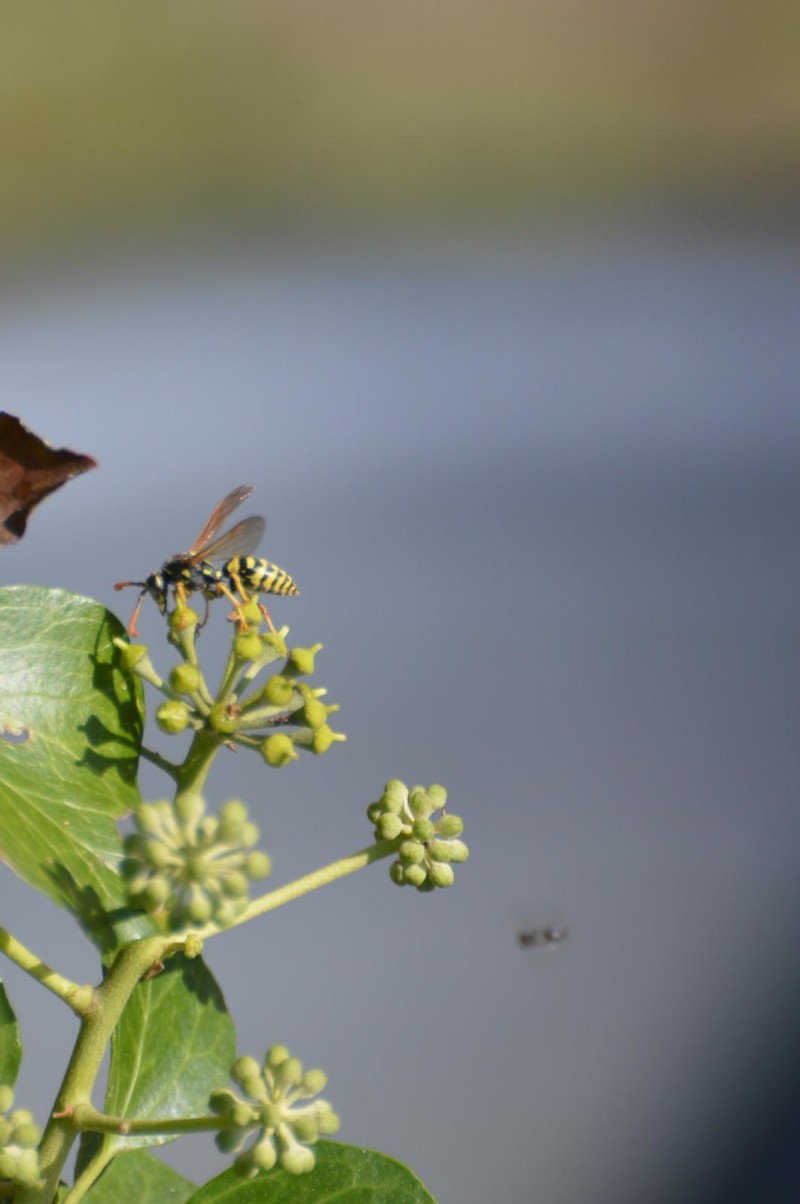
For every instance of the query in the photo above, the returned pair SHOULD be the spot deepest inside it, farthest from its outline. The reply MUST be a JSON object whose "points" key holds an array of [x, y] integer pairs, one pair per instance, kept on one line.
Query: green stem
{"points": [[90, 1173], [169, 767], [77, 997], [193, 772], [303, 886], [268, 657], [88, 1119], [95, 1033], [232, 670]]}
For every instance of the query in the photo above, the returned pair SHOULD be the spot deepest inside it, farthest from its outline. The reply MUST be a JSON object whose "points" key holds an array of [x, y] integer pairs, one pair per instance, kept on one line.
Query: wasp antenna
{"points": [[125, 584], [132, 625]]}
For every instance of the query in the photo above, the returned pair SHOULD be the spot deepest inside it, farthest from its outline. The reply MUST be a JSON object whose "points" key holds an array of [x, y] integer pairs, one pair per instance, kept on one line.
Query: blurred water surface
{"points": [[542, 502]]}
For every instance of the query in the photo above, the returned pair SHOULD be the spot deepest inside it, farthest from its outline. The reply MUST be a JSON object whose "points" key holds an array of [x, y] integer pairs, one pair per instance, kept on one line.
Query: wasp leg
{"points": [[266, 615], [238, 605]]}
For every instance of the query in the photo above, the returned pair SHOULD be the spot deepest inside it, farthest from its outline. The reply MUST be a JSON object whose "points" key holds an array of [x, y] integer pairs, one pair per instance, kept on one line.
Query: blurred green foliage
{"points": [[117, 116]]}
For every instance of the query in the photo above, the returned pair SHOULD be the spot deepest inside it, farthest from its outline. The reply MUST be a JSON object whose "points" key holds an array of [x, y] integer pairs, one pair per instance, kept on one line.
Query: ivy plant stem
{"points": [[304, 885], [77, 997], [88, 1119], [95, 1033], [193, 772]]}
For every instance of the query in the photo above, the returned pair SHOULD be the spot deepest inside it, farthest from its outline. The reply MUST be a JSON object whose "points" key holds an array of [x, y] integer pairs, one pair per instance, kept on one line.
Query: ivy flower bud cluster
{"points": [[195, 866], [242, 713], [427, 846], [280, 1111], [19, 1137]]}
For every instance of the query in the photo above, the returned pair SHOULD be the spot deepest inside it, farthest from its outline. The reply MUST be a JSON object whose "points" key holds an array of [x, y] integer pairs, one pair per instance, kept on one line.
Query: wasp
{"points": [[195, 572]]}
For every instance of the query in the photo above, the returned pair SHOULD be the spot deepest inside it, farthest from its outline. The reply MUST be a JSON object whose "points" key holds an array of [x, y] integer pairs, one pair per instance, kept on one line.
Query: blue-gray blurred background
{"points": [[497, 306]]}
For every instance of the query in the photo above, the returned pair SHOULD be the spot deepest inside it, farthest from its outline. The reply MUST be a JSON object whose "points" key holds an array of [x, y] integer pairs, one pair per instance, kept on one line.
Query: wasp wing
{"points": [[241, 540], [222, 510]]}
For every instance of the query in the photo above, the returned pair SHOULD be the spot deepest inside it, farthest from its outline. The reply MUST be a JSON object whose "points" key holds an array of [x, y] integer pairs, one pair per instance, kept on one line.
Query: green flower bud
{"points": [[298, 1160], [305, 1128], [193, 947], [277, 641], [327, 1120], [248, 835], [190, 807], [173, 717], [314, 1081], [458, 851], [414, 875], [221, 1101], [247, 646], [6, 1097], [437, 796], [252, 614], [207, 828], [450, 825], [278, 691], [258, 865], [130, 655], [221, 720], [290, 1070], [275, 1055], [388, 827], [199, 909], [411, 852], [245, 1068], [27, 1135], [264, 1155], [301, 661], [241, 1115], [157, 853], [439, 850], [423, 829], [185, 679], [236, 884], [8, 1165], [155, 894], [27, 1173], [232, 819], [228, 1140], [397, 873], [374, 812], [441, 874], [150, 817], [419, 803], [395, 795], [324, 738], [278, 750], [314, 713], [183, 617]]}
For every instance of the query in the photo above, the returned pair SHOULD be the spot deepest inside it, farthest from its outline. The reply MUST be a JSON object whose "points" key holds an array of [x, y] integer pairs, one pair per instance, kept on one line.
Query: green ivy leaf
{"points": [[10, 1044], [343, 1174], [140, 1177], [174, 1044], [70, 733]]}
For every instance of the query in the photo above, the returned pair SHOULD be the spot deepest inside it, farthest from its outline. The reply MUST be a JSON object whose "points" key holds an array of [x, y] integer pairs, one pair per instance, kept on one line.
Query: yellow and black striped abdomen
{"points": [[259, 576]]}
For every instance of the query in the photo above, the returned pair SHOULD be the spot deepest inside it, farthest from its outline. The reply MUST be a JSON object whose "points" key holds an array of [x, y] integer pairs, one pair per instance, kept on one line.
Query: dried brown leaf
{"points": [[30, 469]]}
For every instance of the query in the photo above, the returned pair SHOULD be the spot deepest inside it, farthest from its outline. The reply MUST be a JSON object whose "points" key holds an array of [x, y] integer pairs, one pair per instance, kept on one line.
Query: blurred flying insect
{"points": [[550, 934], [194, 571]]}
